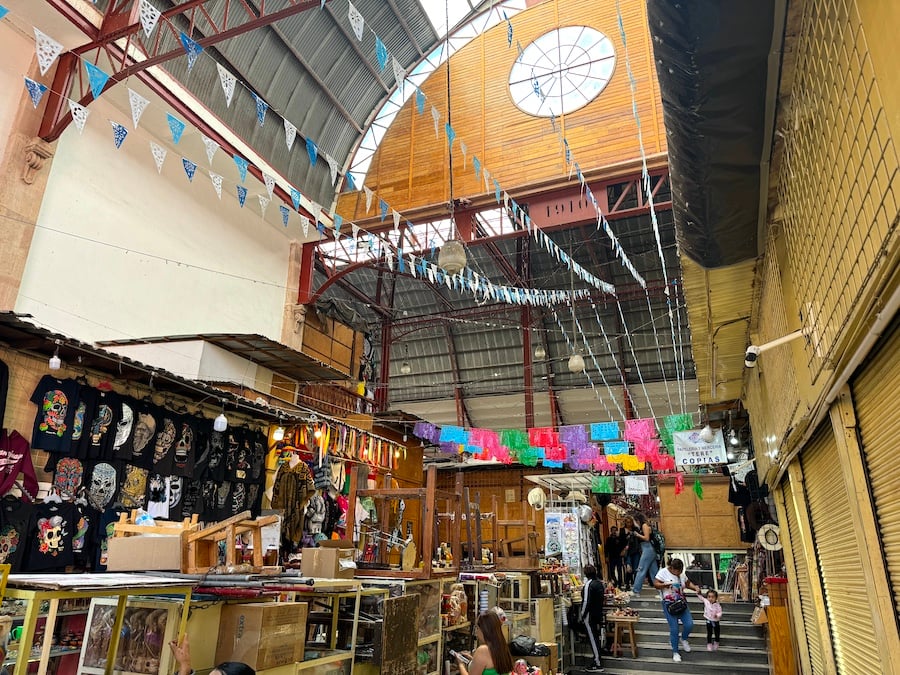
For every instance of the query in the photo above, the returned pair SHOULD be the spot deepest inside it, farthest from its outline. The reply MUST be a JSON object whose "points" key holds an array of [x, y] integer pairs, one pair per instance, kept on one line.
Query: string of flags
{"points": [[48, 50], [648, 191], [631, 445]]}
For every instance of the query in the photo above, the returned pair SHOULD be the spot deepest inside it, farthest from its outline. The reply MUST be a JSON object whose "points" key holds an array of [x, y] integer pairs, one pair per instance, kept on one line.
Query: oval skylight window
{"points": [[562, 71]]}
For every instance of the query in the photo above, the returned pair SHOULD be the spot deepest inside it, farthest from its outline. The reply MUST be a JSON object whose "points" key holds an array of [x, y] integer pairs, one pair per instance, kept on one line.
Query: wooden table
{"points": [[623, 625]]}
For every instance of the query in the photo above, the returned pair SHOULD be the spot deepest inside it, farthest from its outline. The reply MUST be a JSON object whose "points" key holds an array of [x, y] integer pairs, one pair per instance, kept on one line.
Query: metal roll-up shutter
{"points": [[856, 650], [807, 603], [875, 399]]}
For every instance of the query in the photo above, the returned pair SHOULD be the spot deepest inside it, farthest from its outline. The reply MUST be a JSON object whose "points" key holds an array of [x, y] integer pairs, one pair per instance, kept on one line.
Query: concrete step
{"points": [[665, 666], [743, 649], [650, 633], [736, 631]]}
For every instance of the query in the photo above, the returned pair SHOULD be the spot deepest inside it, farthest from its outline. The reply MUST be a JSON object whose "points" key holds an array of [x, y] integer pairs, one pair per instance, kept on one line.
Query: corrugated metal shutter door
{"points": [[875, 398], [856, 650], [807, 604]]}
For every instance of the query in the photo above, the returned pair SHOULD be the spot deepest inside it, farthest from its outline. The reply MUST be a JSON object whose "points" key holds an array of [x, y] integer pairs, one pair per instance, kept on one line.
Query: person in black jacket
{"points": [[613, 549], [592, 596]]}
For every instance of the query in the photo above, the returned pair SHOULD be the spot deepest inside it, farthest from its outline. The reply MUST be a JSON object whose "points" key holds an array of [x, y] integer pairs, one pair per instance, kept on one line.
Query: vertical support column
{"points": [[794, 600], [382, 395], [307, 268], [780, 635], [528, 371], [24, 169]]}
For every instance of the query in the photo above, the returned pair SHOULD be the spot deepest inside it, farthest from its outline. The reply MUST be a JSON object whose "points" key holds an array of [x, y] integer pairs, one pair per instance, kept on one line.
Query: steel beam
{"points": [[119, 26]]}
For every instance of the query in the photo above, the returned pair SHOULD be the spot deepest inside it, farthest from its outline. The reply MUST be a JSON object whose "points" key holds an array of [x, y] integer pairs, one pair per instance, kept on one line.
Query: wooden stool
{"points": [[623, 625]]}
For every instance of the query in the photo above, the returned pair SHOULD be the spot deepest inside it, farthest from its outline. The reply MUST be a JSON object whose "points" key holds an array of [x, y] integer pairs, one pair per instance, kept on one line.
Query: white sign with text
{"points": [[691, 450]]}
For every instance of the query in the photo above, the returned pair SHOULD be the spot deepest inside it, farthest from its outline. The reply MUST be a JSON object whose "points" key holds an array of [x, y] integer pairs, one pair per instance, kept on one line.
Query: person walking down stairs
{"points": [[671, 581], [712, 612]]}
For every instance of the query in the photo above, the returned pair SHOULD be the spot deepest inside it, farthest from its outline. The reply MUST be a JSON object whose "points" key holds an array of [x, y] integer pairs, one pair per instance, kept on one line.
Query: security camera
{"points": [[753, 351], [751, 356]]}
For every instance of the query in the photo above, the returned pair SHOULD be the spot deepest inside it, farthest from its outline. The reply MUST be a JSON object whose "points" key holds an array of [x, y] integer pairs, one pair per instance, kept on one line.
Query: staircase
{"points": [[742, 650]]}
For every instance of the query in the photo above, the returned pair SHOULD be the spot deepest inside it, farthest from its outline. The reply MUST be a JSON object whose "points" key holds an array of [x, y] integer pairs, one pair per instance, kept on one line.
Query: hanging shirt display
{"points": [[15, 519], [139, 450], [15, 458], [84, 413], [51, 532], [184, 452], [124, 427], [56, 402], [164, 448], [293, 487]]}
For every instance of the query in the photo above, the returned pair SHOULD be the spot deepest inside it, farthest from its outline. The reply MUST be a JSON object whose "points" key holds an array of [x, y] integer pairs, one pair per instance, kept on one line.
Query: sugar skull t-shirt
{"points": [[15, 518], [56, 402], [52, 528]]}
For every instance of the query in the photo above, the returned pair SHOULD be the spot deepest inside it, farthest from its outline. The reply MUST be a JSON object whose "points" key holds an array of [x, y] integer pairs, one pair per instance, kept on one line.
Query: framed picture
{"points": [[147, 628]]}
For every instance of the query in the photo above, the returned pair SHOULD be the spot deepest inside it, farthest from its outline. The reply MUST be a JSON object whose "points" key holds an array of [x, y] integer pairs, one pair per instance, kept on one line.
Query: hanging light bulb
{"points": [[317, 433], [707, 434], [55, 363], [576, 363], [452, 256], [405, 368], [221, 422], [540, 353], [733, 439], [278, 434]]}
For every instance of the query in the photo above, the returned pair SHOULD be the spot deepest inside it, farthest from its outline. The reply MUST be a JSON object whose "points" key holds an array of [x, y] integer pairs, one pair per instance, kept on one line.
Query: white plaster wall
{"points": [[180, 358], [220, 364], [122, 252]]}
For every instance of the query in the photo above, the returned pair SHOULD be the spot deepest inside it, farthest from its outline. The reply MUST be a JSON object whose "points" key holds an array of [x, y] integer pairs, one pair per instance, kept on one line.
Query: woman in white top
{"points": [[671, 582]]}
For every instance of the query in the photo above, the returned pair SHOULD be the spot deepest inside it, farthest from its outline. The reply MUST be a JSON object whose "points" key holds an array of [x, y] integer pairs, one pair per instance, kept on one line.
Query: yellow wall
{"points": [[831, 268], [410, 169]]}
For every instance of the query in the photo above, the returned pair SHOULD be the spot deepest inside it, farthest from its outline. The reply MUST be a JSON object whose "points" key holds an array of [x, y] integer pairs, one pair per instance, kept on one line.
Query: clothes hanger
{"points": [[53, 497]]}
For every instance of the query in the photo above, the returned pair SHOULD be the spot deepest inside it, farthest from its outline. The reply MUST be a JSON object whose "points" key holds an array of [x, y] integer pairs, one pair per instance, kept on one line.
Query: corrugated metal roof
{"points": [[255, 348], [433, 327]]}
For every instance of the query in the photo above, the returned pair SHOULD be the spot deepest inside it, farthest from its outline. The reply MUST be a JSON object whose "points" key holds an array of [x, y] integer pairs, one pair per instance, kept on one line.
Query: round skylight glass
{"points": [[562, 71]]}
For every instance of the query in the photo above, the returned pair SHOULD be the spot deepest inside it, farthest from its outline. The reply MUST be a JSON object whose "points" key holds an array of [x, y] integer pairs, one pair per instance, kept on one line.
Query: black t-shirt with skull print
{"points": [[218, 455], [102, 482], [52, 529], [85, 408], [133, 486], [15, 520], [56, 404], [100, 434], [185, 447], [138, 450], [166, 437], [124, 428]]}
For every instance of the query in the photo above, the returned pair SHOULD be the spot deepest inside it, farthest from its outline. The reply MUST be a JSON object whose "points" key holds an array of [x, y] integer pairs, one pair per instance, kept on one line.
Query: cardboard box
{"points": [[333, 559], [146, 552], [262, 634], [547, 664]]}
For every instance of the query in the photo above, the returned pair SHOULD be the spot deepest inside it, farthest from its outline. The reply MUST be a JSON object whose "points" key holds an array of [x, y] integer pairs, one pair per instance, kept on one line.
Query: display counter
{"points": [[37, 589]]}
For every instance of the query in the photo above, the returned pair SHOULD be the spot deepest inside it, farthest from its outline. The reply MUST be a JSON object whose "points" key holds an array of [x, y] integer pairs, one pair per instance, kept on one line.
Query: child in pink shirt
{"points": [[712, 612]]}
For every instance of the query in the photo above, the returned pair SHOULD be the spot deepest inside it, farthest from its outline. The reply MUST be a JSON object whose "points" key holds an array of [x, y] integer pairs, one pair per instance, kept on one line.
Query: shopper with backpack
{"points": [[648, 565]]}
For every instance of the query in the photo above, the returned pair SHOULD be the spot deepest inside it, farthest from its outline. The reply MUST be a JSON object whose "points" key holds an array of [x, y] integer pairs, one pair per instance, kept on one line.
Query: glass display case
{"points": [[147, 629], [719, 570], [59, 631], [514, 598]]}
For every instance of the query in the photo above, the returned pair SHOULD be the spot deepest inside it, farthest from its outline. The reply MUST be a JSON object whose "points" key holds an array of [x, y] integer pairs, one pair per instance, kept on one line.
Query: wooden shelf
{"points": [[44, 615], [59, 651]]}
